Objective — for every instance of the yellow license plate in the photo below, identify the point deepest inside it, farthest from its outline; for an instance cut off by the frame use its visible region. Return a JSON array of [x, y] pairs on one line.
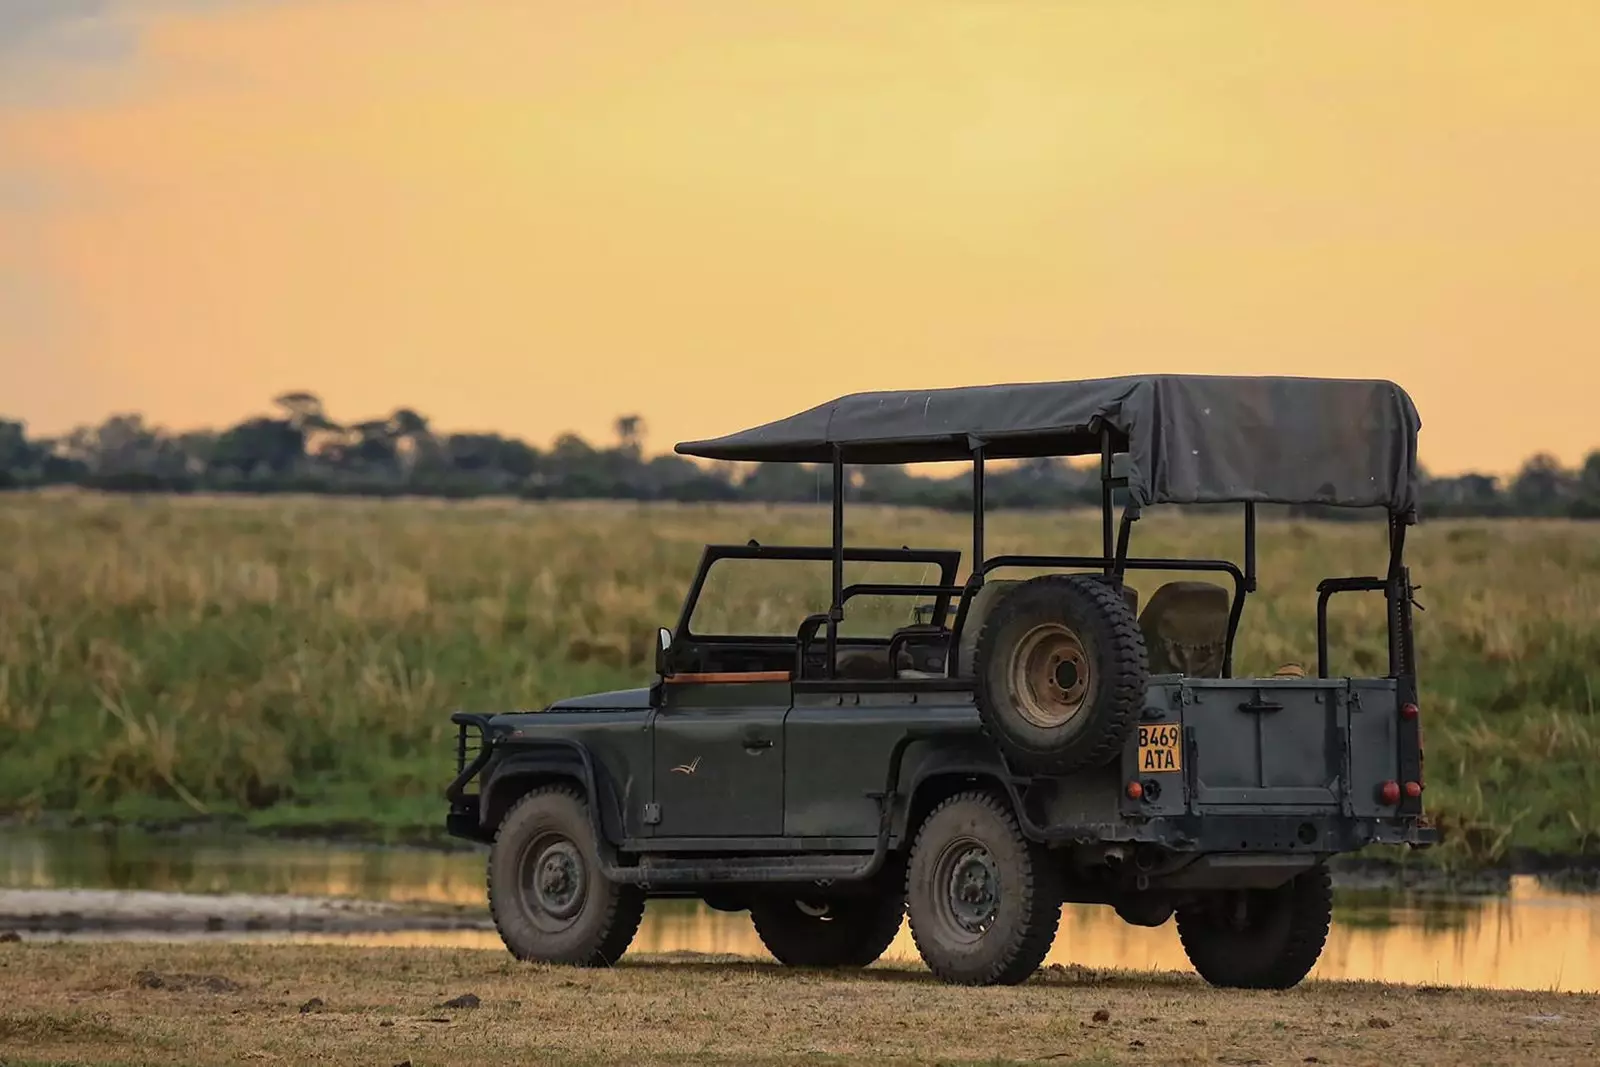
[[1160, 748]]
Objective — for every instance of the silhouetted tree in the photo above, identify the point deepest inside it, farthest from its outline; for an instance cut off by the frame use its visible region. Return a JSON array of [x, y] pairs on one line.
[[301, 447], [1542, 487]]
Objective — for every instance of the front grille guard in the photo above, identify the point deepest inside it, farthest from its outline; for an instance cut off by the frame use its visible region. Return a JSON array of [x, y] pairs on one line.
[[473, 748]]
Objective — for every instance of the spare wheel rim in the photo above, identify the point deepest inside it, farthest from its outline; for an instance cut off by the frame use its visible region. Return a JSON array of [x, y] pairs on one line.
[[1052, 679]]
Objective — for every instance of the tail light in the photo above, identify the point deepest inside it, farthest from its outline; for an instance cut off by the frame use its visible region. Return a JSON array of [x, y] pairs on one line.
[[1389, 792]]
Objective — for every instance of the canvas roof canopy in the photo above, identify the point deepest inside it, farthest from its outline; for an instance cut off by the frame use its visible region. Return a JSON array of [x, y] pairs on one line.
[[1190, 439]]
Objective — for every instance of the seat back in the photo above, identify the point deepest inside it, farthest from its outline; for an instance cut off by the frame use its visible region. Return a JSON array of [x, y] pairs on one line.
[[984, 601], [1185, 628]]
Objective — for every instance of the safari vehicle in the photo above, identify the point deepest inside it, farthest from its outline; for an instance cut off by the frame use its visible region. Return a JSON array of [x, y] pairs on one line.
[[1022, 743]]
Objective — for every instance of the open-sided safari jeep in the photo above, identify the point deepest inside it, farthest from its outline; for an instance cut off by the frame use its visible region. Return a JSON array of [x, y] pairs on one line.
[[1020, 744]]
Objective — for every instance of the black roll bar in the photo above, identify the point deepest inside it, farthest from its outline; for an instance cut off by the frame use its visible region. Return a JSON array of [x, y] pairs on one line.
[[836, 606], [1108, 549], [977, 504], [1235, 610]]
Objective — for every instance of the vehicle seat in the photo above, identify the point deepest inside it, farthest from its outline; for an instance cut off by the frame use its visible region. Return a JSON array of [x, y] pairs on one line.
[[863, 664], [983, 603], [1186, 629]]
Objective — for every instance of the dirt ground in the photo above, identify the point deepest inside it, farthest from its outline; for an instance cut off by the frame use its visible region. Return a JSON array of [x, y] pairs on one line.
[[210, 1003]]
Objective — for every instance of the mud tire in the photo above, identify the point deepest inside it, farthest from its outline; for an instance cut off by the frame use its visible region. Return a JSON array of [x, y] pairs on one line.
[[1060, 673], [849, 932], [1273, 947], [981, 942], [574, 915]]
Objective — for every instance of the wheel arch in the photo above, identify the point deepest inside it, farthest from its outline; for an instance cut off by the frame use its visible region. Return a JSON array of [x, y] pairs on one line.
[[937, 783], [532, 767]]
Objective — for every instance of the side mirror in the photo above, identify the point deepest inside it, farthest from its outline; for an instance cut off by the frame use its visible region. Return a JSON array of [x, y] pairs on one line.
[[663, 652]]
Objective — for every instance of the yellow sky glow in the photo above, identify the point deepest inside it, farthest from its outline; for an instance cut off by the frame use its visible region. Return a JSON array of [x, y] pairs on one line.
[[535, 217]]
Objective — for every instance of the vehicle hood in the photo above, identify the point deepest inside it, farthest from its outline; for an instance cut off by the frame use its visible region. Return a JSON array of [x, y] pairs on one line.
[[616, 700]]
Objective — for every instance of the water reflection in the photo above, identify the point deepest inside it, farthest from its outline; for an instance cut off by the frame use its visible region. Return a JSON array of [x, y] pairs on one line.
[[1533, 937]]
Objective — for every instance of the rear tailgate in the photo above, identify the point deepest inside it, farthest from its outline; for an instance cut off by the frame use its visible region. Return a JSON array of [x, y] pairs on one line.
[[1274, 746]]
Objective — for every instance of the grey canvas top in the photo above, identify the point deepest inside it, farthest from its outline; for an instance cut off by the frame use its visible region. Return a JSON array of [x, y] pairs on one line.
[[1191, 439]]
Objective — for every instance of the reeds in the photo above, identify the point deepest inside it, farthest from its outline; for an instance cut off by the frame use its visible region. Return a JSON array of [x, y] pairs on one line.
[[297, 658]]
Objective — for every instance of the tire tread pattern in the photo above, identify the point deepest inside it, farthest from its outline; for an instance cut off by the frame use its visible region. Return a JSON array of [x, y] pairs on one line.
[[854, 939], [1227, 960], [1128, 677], [1041, 883], [624, 911]]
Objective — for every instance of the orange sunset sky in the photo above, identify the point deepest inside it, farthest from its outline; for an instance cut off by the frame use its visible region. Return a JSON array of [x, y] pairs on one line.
[[535, 216]]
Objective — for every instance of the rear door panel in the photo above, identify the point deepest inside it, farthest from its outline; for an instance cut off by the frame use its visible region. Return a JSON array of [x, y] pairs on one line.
[[1274, 743]]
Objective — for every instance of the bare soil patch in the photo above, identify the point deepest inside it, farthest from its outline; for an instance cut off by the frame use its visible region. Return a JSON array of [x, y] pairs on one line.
[[251, 1003]]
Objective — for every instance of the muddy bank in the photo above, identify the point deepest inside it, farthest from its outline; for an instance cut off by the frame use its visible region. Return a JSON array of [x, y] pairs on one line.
[[68, 911]]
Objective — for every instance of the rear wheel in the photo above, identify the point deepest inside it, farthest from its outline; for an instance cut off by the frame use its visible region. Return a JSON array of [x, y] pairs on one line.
[[1259, 938], [549, 899], [984, 901], [831, 932], [1061, 673]]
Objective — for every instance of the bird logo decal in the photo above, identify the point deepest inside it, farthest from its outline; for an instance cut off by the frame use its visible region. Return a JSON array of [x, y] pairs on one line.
[[687, 768]]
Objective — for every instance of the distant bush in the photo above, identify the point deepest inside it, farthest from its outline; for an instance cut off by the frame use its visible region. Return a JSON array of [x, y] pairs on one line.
[[302, 450]]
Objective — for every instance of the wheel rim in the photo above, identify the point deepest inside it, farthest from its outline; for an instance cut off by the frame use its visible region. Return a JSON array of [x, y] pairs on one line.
[[1051, 676], [554, 881], [968, 880]]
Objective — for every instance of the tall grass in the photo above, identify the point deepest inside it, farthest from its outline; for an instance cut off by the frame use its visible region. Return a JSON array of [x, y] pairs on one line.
[[296, 659]]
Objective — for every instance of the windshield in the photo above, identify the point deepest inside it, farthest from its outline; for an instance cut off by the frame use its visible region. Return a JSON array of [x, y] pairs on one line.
[[771, 597]]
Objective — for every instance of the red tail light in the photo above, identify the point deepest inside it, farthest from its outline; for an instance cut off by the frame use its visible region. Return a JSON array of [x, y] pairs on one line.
[[1135, 791], [1389, 792], [1413, 790], [1410, 711]]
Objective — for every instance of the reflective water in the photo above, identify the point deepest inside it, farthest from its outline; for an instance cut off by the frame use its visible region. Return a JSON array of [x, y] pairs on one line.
[[1534, 936]]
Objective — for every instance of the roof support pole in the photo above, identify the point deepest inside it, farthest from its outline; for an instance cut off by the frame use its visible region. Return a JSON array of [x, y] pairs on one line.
[[1397, 590], [1130, 515], [836, 608], [1250, 546], [977, 514], [1107, 537]]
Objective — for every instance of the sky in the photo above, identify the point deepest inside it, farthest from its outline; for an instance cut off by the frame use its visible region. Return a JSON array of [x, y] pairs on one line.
[[533, 217]]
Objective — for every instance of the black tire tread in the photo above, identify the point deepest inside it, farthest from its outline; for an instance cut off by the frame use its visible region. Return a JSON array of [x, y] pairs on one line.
[[1223, 962], [1129, 676], [1042, 883], [860, 938], [624, 912]]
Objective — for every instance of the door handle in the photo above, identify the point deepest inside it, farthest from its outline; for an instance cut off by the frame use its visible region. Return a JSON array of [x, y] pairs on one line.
[[1259, 705], [756, 744]]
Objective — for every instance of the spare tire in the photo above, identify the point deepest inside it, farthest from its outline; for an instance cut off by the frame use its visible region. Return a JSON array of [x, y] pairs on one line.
[[1060, 673]]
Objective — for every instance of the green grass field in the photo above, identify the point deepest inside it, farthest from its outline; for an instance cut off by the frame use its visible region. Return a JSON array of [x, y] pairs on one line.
[[294, 660]]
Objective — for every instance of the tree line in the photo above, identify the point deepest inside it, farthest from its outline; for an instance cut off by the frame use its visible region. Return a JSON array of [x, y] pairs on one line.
[[301, 449]]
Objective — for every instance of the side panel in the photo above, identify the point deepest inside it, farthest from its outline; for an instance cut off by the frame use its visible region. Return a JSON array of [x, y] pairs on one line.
[[839, 751], [719, 754], [1374, 744], [618, 743], [1161, 767]]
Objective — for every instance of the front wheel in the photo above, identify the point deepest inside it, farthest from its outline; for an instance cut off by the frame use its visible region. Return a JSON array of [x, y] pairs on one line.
[[1259, 938], [984, 901], [549, 899], [833, 932]]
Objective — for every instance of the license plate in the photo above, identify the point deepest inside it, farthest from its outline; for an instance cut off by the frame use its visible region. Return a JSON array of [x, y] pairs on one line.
[[1160, 748]]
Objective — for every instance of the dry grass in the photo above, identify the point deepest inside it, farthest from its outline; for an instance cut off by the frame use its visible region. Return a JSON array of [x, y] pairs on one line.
[[293, 657], [132, 1004]]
